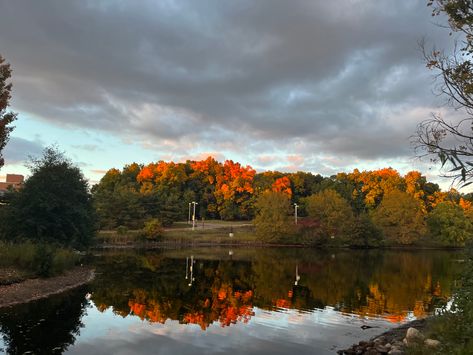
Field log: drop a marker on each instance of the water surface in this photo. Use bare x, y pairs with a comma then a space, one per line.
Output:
259, 301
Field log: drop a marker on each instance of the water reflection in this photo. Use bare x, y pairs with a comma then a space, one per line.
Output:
43, 327
243, 301
225, 287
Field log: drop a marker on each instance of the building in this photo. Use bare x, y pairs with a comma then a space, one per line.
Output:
13, 181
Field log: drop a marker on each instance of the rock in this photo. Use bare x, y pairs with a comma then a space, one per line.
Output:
371, 352
363, 343
398, 344
395, 351
380, 340
431, 343
381, 349
413, 336
388, 345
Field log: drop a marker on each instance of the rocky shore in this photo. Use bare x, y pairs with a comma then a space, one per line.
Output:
33, 289
395, 341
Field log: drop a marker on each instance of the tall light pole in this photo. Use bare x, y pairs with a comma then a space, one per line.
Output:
193, 215
295, 212
189, 219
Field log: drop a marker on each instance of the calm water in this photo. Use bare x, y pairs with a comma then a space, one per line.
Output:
263, 301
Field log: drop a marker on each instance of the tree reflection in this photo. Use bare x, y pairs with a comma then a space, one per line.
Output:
46, 326
226, 290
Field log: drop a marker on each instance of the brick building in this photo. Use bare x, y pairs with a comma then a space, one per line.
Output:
13, 180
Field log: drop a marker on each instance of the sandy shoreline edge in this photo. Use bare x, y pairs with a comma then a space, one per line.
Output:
34, 289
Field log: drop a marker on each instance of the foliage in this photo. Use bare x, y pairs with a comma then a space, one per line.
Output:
152, 229
448, 224
365, 234
6, 117
454, 326
272, 219
400, 218
229, 191
54, 204
39, 259
450, 141
333, 213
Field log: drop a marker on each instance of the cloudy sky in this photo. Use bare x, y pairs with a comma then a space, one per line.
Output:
321, 86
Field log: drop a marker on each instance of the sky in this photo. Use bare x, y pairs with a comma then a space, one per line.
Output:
320, 86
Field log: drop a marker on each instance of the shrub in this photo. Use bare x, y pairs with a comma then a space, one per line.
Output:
37, 259
152, 229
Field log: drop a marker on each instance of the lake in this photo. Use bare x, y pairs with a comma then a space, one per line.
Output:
239, 301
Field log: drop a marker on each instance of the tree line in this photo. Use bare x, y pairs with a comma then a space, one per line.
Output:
361, 208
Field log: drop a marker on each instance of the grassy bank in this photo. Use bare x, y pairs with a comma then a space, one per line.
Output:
209, 232
19, 261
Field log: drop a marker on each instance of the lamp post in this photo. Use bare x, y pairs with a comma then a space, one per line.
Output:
193, 215
295, 212
189, 219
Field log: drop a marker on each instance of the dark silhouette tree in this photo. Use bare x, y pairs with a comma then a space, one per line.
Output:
54, 204
6, 117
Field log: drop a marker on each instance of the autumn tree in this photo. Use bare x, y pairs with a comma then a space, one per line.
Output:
6, 117
273, 220
400, 218
118, 201
450, 141
332, 212
449, 225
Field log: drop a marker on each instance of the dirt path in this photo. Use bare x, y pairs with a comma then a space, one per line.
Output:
33, 289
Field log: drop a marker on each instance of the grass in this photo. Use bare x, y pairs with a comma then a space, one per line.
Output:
213, 232
24, 260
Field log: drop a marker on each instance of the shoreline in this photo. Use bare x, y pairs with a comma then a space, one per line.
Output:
378, 344
197, 243
35, 289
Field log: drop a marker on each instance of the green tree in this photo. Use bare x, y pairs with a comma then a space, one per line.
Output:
6, 117
273, 219
400, 218
333, 213
365, 234
448, 224
54, 204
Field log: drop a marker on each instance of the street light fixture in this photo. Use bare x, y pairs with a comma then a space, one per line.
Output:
295, 212
193, 215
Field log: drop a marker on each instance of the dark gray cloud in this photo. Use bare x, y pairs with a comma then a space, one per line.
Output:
18, 150
346, 76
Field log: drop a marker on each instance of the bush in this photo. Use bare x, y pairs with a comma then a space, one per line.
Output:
152, 230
